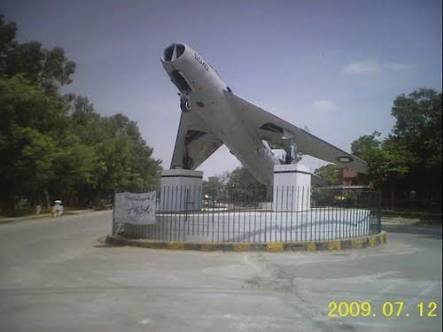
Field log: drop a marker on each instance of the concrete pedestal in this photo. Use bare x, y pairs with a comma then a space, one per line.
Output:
181, 190
292, 188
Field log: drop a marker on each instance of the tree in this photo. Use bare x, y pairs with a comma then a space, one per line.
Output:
329, 173
7, 41
369, 148
418, 125
214, 188
410, 158
31, 123
58, 146
245, 187
50, 69
417, 131
35, 164
76, 168
387, 162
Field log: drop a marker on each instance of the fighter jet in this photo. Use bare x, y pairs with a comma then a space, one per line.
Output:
212, 115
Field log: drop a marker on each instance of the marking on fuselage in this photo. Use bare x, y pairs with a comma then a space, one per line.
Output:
199, 59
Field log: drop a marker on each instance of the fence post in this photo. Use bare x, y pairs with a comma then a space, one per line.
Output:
378, 211
113, 216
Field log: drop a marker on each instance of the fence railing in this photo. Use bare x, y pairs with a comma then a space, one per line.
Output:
278, 214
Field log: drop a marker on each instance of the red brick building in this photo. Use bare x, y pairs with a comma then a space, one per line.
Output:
349, 177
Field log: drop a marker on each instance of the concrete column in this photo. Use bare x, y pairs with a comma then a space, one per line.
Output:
181, 190
292, 188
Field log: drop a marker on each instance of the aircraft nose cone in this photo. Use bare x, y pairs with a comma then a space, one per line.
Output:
173, 52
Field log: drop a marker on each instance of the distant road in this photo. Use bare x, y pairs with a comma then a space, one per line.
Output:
55, 276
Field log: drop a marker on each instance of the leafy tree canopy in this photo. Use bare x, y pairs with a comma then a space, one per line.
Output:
54, 146
418, 126
410, 158
329, 173
50, 69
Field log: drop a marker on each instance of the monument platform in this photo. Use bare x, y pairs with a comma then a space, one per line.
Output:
181, 190
292, 188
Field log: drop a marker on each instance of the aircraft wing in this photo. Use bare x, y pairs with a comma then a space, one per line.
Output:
194, 143
275, 130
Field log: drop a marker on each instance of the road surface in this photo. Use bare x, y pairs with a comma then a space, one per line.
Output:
56, 276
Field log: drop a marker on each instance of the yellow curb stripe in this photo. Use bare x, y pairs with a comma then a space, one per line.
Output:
334, 245
205, 247
275, 247
241, 247
175, 246
311, 247
357, 244
369, 241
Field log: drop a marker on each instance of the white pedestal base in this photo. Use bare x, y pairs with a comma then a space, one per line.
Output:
292, 188
181, 190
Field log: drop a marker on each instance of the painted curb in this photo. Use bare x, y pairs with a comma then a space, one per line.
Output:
311, 246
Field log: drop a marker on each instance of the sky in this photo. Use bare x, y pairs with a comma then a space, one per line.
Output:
333, 67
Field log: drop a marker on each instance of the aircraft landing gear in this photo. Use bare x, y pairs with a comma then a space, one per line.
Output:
185, 104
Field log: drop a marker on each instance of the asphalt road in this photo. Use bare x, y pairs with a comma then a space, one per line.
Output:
55, 276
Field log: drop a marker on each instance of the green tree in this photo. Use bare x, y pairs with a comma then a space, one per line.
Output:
329, 173
369, 148
384, 158
35, 166
214, 188
31, 123
50, 69
76, 169
54, 146
7, 41
417, 131
418, 125
387, 162
244, 187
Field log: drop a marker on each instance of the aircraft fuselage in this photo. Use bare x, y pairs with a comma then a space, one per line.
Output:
204, 90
